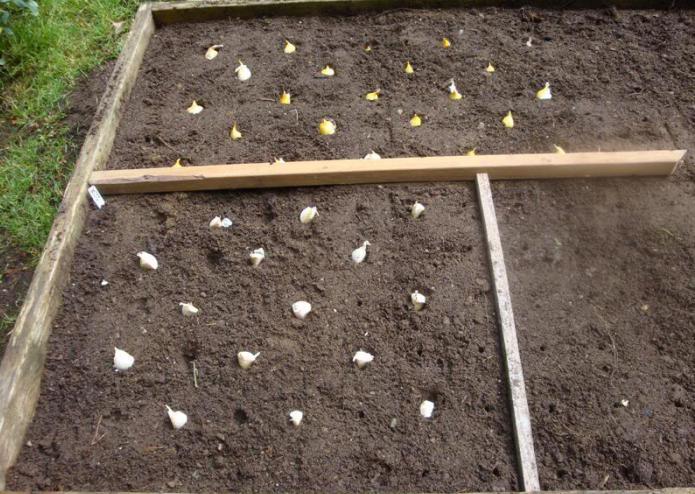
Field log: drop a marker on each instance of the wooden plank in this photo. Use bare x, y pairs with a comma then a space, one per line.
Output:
207, 10
523, 436
335, 172
22, 365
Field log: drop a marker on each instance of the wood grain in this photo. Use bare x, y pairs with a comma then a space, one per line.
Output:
335, 172
22, 364
521, 417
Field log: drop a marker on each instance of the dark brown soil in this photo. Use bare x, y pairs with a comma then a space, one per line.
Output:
15, 276
621, 81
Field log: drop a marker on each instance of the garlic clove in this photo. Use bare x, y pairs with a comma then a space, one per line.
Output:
177, 164
285, 98
472, 152
104, 283
558, 149
296, 417
416, 210
508, 120
212, 52
122, 360
446, 43
308, 214
359, 254
408, 68
544, 93
415, 120
490, 69
529, 42
327, 127
188, 309
278, 161
373, 96
454, 92
328, 71
234, 133
257, 256
289, 47
418, 300
246, 359
226, 222
427, 409
216, 222
372, 156
195, 108
178, 418
362, 358
301, 309
243, 73
367, 48
148, 261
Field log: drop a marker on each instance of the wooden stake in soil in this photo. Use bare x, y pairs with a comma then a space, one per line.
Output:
515, 377
428, 169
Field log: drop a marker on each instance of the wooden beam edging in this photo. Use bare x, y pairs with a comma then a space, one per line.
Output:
22, 364
523, 435
428, 169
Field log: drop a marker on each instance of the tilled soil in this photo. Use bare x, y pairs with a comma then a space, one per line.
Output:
621, 80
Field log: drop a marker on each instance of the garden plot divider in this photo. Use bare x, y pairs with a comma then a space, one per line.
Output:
22, 364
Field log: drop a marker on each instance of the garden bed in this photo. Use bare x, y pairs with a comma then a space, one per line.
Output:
618, 85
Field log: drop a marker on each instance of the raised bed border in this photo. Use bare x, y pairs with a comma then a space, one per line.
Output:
22, 365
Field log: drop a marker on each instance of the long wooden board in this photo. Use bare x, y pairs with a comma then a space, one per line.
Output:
22, 364
443, 168
521, 418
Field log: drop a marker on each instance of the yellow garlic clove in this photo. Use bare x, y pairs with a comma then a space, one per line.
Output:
453, 92
246, 359
278, 161
122, 360
408, 68
308, 214
188, 309
508, 120
360, 253
147, 261
472, 152
212, 53
328, 71
327, 127
489, 69
373, 96
289, 47
367, 48
177, 164
415, 120
234, 133
195, 108
446, 43
558, 149
544, 93
285, 98
178, 418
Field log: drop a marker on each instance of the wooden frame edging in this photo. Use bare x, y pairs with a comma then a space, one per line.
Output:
22, 364
428, 169
521, 418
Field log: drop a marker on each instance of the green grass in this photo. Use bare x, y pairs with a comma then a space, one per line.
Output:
45, 57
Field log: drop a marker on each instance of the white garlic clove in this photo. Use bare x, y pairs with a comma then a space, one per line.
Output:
243, 73
308, 214
416, 210
362, 358
245, 359
418, 300
216, 222
104, 283
301, 309
360, 253
188, 309
427, 409
122, 360
226, 223
212, 53
296, 417
178, 418
147, 261
372, 156
257, 256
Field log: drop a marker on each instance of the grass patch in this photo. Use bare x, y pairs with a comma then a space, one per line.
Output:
44, 58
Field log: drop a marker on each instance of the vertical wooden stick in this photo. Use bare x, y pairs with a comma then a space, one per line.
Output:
523, 435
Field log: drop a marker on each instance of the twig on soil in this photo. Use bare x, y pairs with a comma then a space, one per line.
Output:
96, 438
165, 143
195, 375
605, 479
266, 99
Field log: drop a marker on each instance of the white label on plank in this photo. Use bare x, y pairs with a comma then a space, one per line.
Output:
97, 199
